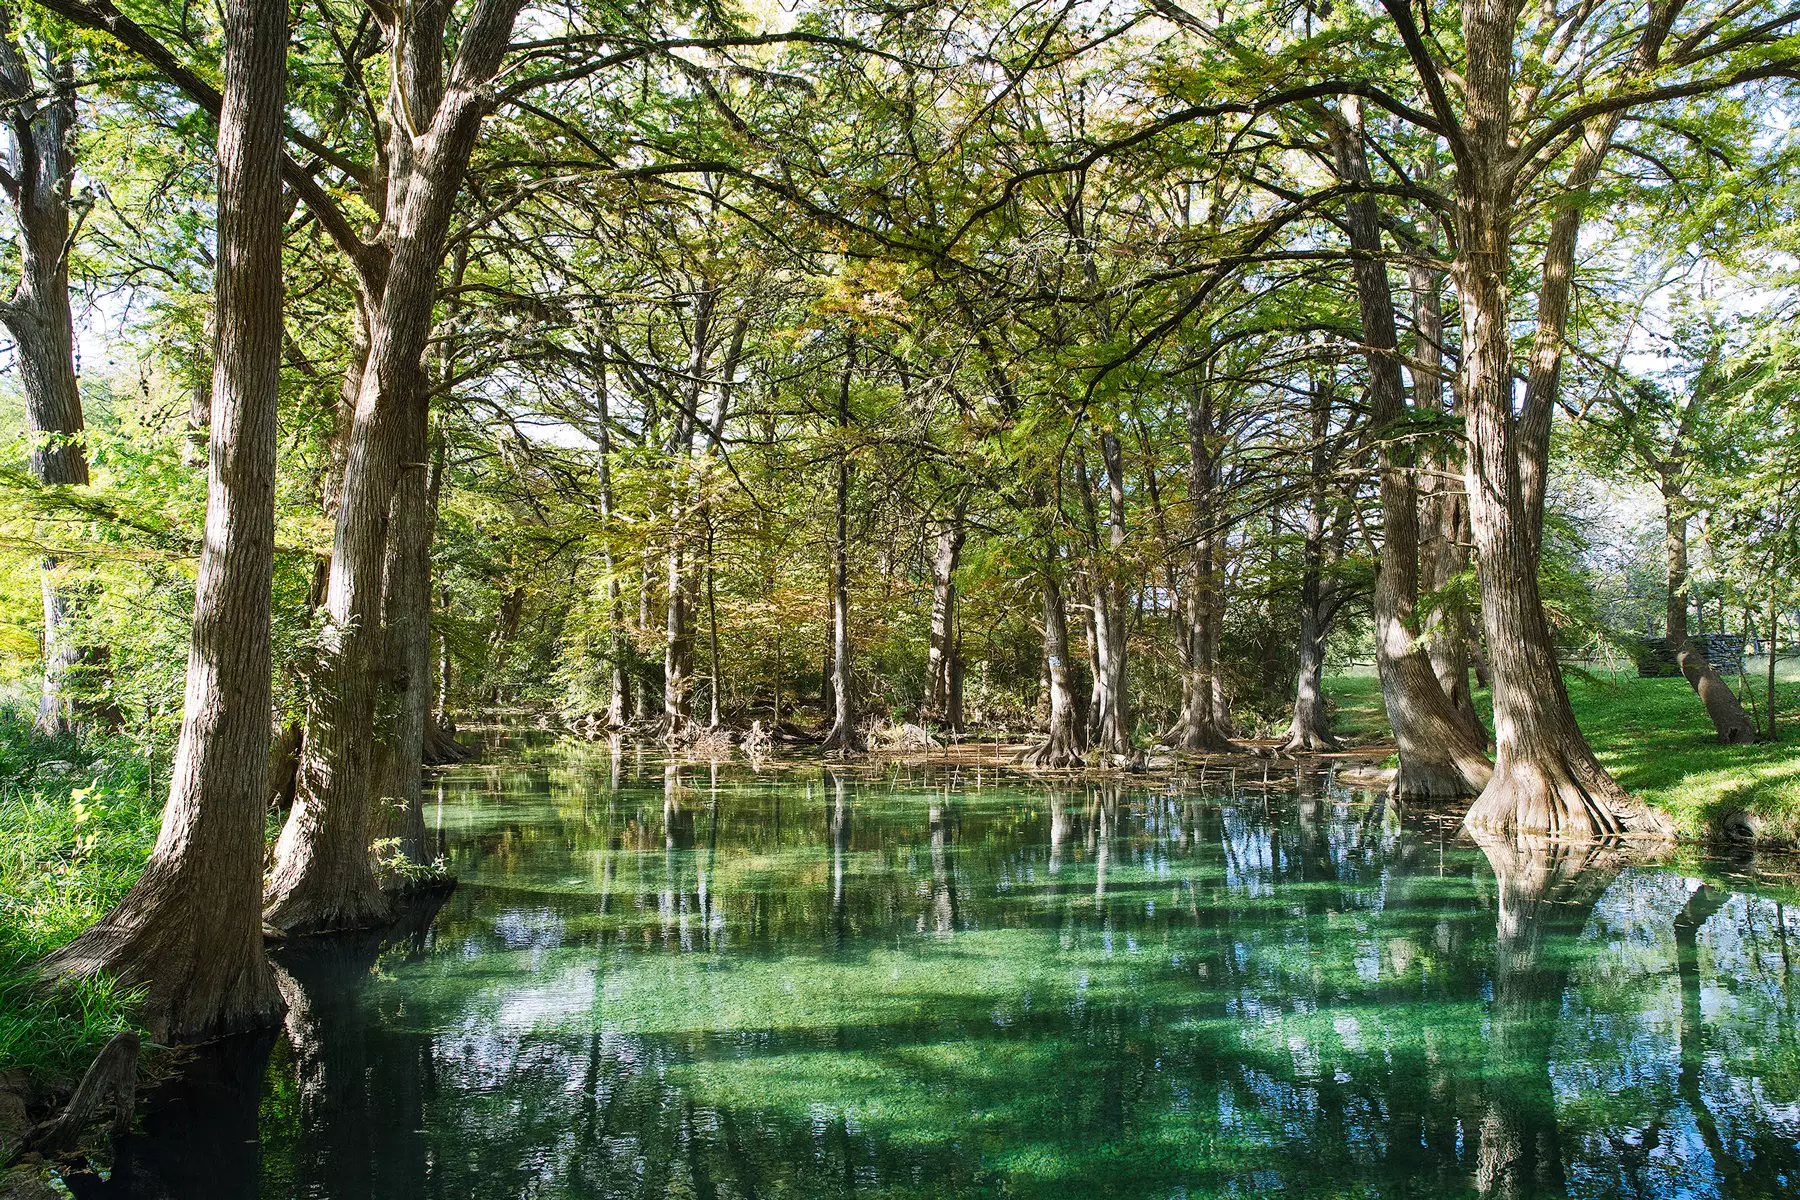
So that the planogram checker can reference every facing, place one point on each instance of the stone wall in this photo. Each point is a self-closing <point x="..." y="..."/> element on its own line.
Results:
<point x="1656" y="656"/>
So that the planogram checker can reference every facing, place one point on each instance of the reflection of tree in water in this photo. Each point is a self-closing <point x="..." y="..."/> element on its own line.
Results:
<point x="1693" y="916"/>
<point x="840" y="850"/>
<point x="1546" y="893"/>
<point x="1748" y="1160"/>
<point x="198" y="1139"/>
<point x="361" y="1092"/>
<point x="941" y="822"/>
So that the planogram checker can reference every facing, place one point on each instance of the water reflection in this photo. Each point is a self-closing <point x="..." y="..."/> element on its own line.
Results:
<point x="720" y="984"/>
<point x="1546" y="893"/>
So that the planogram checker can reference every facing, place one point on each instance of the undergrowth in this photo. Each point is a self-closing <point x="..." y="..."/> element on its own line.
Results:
<point x="76" y="826"/>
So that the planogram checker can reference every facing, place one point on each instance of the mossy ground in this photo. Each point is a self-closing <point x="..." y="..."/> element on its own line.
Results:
<point x="1654" y="736"/>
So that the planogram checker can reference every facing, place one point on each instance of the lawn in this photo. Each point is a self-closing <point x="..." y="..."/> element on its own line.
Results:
<point x="1654" y="736"/>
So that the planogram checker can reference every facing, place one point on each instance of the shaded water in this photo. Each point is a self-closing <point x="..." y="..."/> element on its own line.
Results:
<point x="689" y="982"/>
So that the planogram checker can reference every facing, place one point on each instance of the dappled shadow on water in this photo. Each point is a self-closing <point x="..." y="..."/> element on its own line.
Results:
<point x="695" y="982"/>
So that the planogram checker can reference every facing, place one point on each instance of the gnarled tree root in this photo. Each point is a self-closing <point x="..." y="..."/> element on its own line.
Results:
<point x="1059" y="751"/>
<point x="1198" y="737"/>
<point x="843" y="739"/>
<point x="113" y="1073"/>
<point x="201" y="982"/>
<point x="1561" y="801"/>
<point x="310" y="909"/>
<point x="442" y="749"/>
<point x="1441" y="776"/>
<point x="1309" y="741"/>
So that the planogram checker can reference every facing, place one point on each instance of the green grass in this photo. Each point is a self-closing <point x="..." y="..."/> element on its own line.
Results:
<point x="1654" y="736"/>
<point x="76" y="825"/>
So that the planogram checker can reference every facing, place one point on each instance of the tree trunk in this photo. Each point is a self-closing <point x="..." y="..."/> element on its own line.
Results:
<point x="189" y="931"/>
<point x="684" y="508"/>
<point x="678" y="644"/>
<point x="940" y="665"/>
<point x="714" y="701"/>
<point x="1439" y="756"/>
<point x="641" y="710"/>
<point x="323" y="877"/>
<point x="1197" y="728"/>
<point x="1445" y="537"/>
<point x="404" y="701"/>
<point x="1062" y="744"/>
<point x="404" y="705"/>
<point x="1730" y="721"/>
<point x="1310" y="729"/>
<point x="343" y="417"/>
<point x="724" y="386"/>
<point x="1546" y="779"/>
<point x="1214" y="628"/>
<point x="618" y="683"/>
<point x="41" y="119"/>
<point x="1111" y="720"/>
<point x="843" y="736"/>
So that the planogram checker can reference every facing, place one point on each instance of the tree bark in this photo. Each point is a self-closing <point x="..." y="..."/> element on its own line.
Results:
<point x="1196" y="728"/>
<point x="1062" y="742"/>
<point x="1310" y="729"/>
<point x="404" y="700"/>
<point x="323" y="877"/>
<point x="40" y="118"/>
<point x="1439" y="756"/>
<point x="189" y="931"/>
<point x="843" y="736"/>
<point x="941" y="667"/>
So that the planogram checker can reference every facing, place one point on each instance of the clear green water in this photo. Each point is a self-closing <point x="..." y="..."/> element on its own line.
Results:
<point x="684" y="982"/>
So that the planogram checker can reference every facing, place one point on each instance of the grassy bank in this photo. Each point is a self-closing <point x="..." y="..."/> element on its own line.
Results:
<point x="1654" y="736"/>
<point x="76" y="825"/>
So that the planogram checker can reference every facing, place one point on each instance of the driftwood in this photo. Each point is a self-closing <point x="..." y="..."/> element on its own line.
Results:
<point x="112" y="1074"/>
<point x="758" y="741"/>
<point x="906" y="737"/>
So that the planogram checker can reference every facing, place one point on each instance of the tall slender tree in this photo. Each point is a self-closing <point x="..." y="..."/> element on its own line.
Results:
<point x="37" y="84"/>
<point x="190" y="930"/>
